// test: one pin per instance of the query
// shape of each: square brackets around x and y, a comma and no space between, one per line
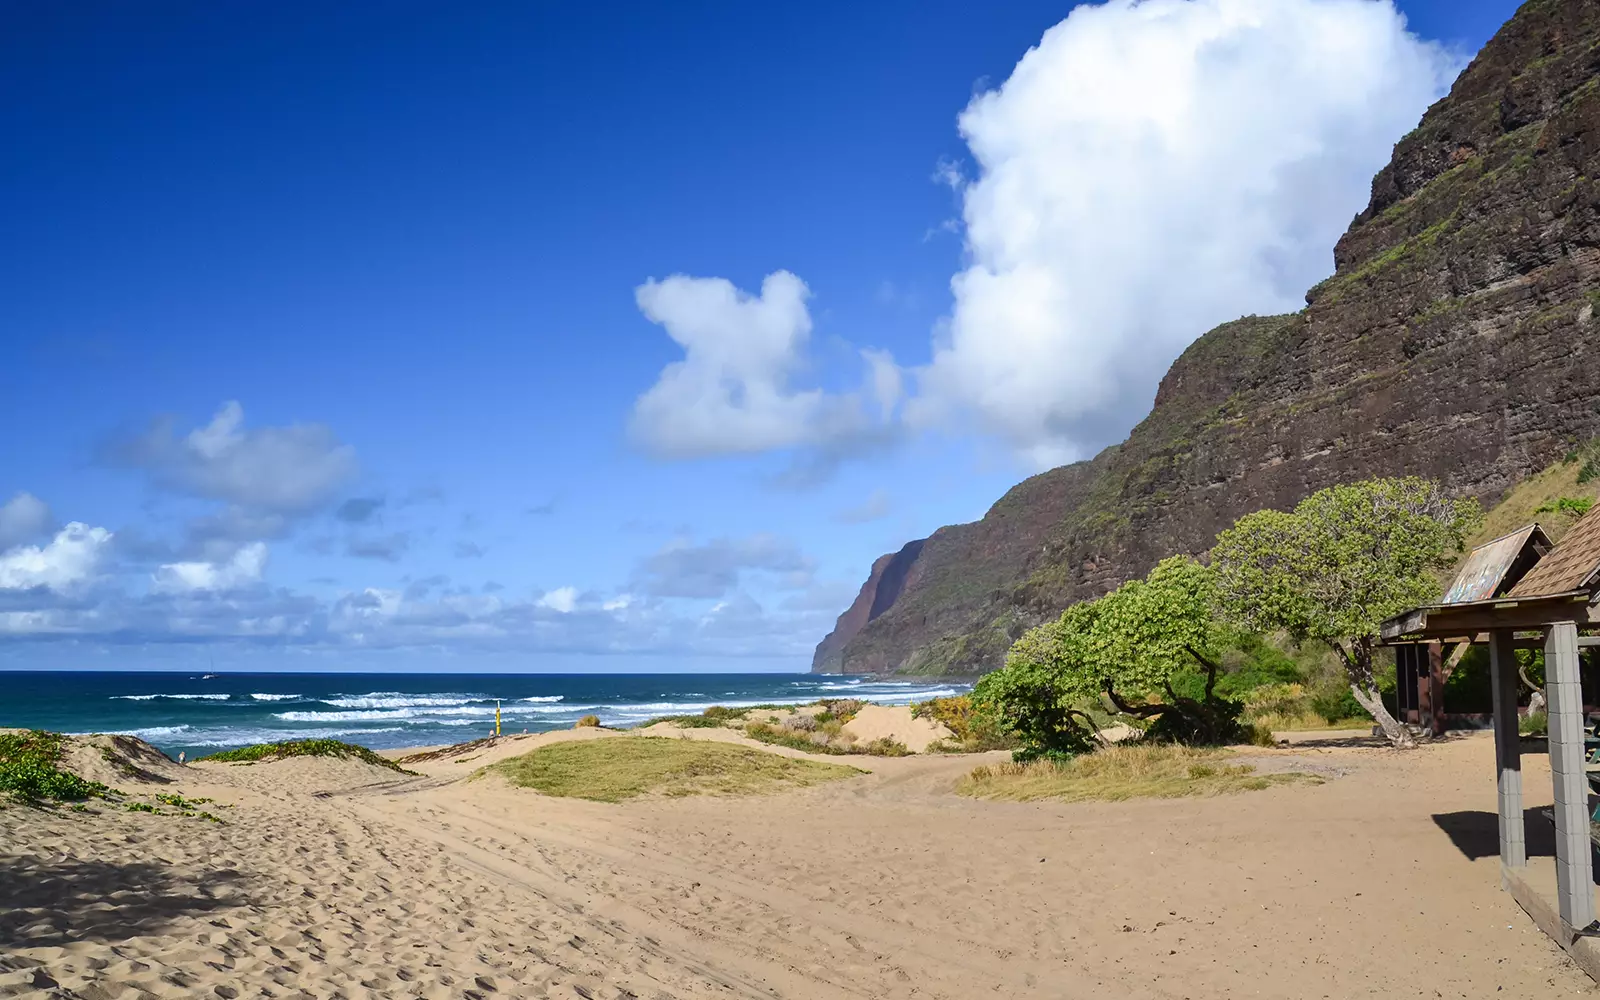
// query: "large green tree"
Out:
[1123,651]
[1341,562]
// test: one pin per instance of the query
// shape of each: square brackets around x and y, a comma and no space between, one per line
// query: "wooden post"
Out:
[1574,869]
[1435,684]
[1507,749]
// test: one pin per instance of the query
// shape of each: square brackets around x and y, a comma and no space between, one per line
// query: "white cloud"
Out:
[732,392]
[70,558]
[22,519]
[289,469]
[242,570]
[562,599]
[1151,169]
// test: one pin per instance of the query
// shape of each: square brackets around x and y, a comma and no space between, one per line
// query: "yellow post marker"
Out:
[497,718]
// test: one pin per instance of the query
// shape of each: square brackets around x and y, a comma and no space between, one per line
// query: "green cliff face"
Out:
[1452,341]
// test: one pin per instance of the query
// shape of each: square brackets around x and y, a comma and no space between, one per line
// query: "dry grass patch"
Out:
[626,767]
[1124,772]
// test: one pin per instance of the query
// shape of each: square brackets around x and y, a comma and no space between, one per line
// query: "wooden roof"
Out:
[1496,566]
[1570,566]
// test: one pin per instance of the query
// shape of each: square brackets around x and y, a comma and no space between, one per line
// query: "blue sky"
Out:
[351,337]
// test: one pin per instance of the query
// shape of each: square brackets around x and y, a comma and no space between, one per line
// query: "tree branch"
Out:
[1211,669]
[1140,711]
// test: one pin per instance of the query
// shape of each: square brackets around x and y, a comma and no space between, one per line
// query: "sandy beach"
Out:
[335,878]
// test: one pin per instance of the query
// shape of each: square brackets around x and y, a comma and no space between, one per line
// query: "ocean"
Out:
[202,713]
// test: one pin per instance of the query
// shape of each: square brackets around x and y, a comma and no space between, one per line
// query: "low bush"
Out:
[840,709]
[1123,772]
[784,737]
[30,770]
[304,748]
[1534,724]
[884,746]
[587,722]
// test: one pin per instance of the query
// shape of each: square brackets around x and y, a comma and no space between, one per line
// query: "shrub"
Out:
[1337,704]
[1534,724]
[30,769]
[842,709]
[304,748]
[784,737]
[587,722]
[885,746]
[1576,506]
[802,723]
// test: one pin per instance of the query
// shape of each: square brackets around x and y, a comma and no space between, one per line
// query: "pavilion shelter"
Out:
[1517,591]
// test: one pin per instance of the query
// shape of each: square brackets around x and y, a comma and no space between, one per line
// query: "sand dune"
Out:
[338,878]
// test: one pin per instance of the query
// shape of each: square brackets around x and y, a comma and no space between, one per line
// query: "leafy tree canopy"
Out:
[1341,562]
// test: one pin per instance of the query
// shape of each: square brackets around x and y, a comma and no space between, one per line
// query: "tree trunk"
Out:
[1397,734]
[1364,688]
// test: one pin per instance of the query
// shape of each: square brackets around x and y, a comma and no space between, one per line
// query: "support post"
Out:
[1436,685]
[1574,869]
[1507,748]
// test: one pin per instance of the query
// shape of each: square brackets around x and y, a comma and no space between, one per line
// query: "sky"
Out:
[616,337]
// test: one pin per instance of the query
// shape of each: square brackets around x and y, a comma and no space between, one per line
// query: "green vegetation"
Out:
[971,731]
[715,717]
[1575,506]
[1132,648]
[819,731]
[30,770]
[1125,772]
[304,748]
[588,722]
[1534,724]
[614,770]
[1341,562]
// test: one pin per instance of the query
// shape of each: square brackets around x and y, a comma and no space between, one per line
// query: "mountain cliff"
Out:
[1452,341]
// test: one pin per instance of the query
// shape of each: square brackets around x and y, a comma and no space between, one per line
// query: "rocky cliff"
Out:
[1453,341]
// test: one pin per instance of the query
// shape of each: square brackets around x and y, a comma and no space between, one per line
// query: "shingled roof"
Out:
[1570,566]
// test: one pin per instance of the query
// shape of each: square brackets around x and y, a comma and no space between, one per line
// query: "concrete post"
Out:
[1574,870]
[1507,748]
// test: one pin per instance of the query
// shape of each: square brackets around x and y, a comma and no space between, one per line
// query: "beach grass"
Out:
[303,748]
[1118,773]
[615,770]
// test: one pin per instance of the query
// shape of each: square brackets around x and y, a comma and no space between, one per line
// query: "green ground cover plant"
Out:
[30,770]
[304,748]
[626,767]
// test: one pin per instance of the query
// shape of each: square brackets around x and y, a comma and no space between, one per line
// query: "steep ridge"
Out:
[1453,341]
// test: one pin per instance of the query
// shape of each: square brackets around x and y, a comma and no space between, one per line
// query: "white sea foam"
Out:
[148,733]
[546,698]
[274,697]
[178,697]
[394,699]
[428,714]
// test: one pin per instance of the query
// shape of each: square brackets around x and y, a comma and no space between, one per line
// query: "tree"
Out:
[1125,649]
[1038,693]
[1341,562]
